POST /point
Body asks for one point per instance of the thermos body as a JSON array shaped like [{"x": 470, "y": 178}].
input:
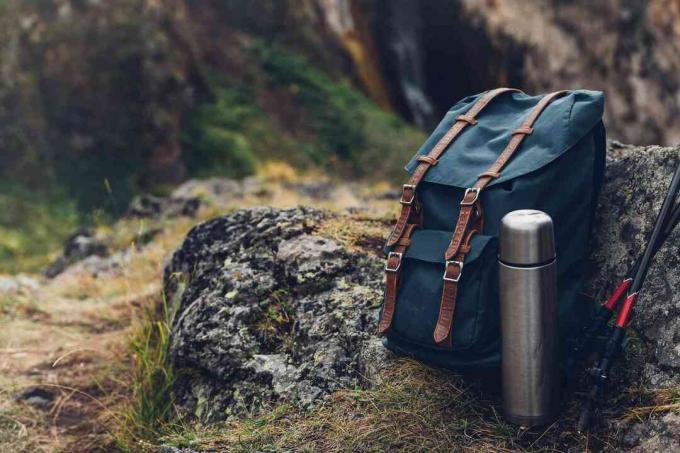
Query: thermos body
[{"x": 528, "y": 302}]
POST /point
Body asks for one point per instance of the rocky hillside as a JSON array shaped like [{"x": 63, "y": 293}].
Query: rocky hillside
[
  {"x": 128, "y": 96},
  {"x": 277, "y": 308}
]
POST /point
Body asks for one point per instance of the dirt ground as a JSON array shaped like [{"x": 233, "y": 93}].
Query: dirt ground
[{"x": 63, "y": 355}]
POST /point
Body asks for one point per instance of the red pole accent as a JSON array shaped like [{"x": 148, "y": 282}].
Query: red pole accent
[
  {"x": 620, "y": 290},
  {"x": 623, "y": 318}
]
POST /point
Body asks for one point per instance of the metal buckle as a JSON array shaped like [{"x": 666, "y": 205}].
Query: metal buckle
[
  {"x": 446, "y": 268},
  {"x": 387, "y": 263},
  {"x": 403, "y": 192},
  {"x": 476, "y": 190}
]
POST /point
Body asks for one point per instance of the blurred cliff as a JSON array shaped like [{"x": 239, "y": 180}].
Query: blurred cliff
[{"x": 99, "y": 100}]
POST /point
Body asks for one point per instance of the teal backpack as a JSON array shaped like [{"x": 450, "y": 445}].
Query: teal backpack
[{"x": 492, "y": 153}]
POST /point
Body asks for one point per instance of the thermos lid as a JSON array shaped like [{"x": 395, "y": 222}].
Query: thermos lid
[{"x": 526, "y": 238}]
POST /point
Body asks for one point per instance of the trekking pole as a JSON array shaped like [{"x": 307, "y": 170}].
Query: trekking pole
[
  {"x": 607, "y": 309},
  {"x": 600, "y": 373}
]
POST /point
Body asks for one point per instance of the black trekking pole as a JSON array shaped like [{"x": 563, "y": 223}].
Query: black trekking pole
[
  {"x": 607, "y": 309},
  {"x": 600, "y": 373}
]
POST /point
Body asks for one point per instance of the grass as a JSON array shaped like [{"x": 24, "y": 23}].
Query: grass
[
  {"x": 33, "y": 227},
  {"x": 663, "y": 400},
  {"x": 410, "y": 407},
  {"x": 150, "y": 408}
]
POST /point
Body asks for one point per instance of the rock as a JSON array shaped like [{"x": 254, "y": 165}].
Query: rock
[
  {"x": 211, "y": 188},
  {"x": 660, "y": 435},
  {"x": 637, "y": 179},
  {"x": 267, "y": 311},
  {"x": 99, "y": 266},
  {"x": 320, "y": 189},
  {"x": 219, "y": 191},
  {"x": 79, "y": 246},
  {"x": 152, "y": 206},
  {"x": 36, "y": 396},
  {"x": 629, "y": 50},
  {"x": 10, "y": 284}
]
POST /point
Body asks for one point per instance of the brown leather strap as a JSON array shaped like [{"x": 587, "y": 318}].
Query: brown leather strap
[
  {"x": 470, "y": 212},
  {"x": 453, "y": 271},
  {"x": 517, "y": 137},
  {"x": 392, "y": 274},
  {"x": 408, "y": 201}
]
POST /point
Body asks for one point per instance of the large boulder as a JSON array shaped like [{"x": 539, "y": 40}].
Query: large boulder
[
  {"x": 269, "y": 310},
  {"x": 636, "y": 181}
]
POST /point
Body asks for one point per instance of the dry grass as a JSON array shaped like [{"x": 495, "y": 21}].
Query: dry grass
[
  {"x": 357, "y": 232},
  {"x": 409, "y": 407},
  {"x": 663, "y": 400}
]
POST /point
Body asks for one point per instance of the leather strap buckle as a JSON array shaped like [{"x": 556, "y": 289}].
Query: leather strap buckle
[
  {"x": 446, "y": 271},
  {"x": 387, "y": 263},
  {"x": 403, "y": 199},
  {"x": 465, "y": 202}
]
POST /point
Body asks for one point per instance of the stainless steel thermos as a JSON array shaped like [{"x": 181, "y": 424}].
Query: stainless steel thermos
[{"x": 528, "y": 302}]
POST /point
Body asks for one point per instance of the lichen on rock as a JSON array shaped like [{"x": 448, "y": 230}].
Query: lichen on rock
[{"x": 267, "y": 311}]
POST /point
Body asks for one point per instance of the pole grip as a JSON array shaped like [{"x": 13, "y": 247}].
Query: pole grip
[{"x": 623, "y": 319}]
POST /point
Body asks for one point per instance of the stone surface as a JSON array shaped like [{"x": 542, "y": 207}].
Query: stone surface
[
  {"x": 269, "y": 312},
  {"x": 636, "y": 181},
  {"x": 10, "y": 284},
  {"x": 627, "y": 49},
  {"x": 79, "y": 246},
  {"x": 99, "y": 266},
  {"x": 660, "y": 435},
  {"x": 152, "y": 206}
]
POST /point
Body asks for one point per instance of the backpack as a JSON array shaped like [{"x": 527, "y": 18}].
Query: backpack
[{"x": 492, "y": 153}]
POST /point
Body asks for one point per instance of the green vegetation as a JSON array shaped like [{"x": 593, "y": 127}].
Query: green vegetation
[
  {"x": 349, "y": 130},
  {"x": 282, "y": 108},
  {"x": 293, "y": 111},
  {"x": 150, "y": 409},
  {"x": 221, "y": 135},
  {"x": 33, "y": 225}
]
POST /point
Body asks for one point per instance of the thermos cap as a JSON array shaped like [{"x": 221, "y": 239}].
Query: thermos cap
[{"x": 526, "y": 238}]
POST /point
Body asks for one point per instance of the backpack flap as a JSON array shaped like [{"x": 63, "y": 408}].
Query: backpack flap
[{"x": 566, "y": 121}]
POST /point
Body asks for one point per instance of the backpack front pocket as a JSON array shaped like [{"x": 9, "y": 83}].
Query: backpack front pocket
[{"x": 475, "y": 320}]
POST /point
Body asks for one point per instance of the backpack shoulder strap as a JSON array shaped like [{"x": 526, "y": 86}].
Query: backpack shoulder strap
[
  {"x": 409, "y": 218},
  {"x": 470, "y": 221},
  {"x": 409, "y": 203}
]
